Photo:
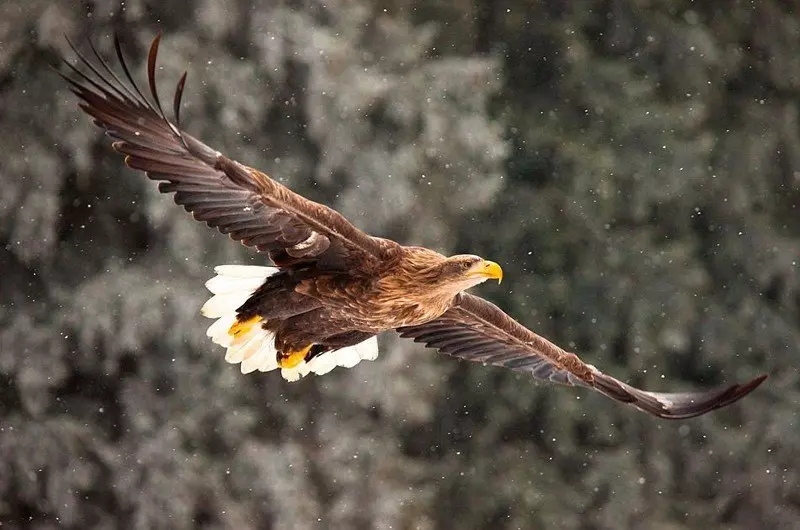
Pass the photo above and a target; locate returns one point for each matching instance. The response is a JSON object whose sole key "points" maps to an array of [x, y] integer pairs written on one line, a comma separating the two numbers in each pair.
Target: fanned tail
{"points": [[248, 343], [253, 346]]}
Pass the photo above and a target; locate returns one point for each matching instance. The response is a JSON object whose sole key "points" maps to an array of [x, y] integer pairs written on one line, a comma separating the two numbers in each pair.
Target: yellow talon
{"points": [[293, 358], [243, 326]]}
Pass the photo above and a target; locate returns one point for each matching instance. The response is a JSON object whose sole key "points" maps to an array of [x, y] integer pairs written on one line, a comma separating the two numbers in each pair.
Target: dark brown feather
{"points": [[477, 330], [237, 200]]}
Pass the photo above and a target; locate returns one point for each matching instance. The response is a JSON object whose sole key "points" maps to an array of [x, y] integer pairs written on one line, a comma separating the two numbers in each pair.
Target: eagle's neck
{"points": [[416, 287]]}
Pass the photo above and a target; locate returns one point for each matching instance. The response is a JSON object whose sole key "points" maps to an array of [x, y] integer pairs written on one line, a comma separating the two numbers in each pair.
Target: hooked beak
{"points": [[489, 270]]}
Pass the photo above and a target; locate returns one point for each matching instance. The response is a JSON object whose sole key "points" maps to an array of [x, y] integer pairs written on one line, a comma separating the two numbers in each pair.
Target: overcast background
{"points": [[635, 168]]}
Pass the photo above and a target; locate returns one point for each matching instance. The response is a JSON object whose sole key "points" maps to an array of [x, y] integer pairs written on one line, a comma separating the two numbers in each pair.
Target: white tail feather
{"points": [[220, 305], [232, 286], [245, 345], [226, 285], [270, 360], [245, 271], [264, 355], [255, 347], [218, 331]]}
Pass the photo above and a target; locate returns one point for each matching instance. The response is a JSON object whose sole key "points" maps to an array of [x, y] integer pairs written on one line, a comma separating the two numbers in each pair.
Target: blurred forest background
{"points": [[635, 167]]}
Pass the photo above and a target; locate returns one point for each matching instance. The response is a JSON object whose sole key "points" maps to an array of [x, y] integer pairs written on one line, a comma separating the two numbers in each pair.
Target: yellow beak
{"points": [[489, 269]]}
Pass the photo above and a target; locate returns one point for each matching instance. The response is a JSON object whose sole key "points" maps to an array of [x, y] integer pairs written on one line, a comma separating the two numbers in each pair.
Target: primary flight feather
{"points": [[333, 287]]}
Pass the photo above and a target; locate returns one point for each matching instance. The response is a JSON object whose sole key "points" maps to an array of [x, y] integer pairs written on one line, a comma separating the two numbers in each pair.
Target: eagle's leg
{"points": [[243, 326], [291, 359]]}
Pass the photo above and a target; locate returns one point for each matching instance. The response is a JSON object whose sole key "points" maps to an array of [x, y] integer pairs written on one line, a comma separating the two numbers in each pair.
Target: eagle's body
{"points": [[333, 287], [335, 310]]}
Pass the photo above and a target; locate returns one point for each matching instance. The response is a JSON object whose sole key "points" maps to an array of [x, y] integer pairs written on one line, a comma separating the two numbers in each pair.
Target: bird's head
{"points": [[465, 270]]}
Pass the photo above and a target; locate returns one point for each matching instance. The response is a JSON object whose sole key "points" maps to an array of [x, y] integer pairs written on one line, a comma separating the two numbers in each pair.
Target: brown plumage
{"points": [[335, 287]]}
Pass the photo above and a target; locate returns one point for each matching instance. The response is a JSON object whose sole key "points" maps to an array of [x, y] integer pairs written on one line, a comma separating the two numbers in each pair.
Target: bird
{"points": [[330, 288]]}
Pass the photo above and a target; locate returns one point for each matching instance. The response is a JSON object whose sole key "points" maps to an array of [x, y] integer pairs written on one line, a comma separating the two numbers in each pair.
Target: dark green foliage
{"points": [[634, 167]]}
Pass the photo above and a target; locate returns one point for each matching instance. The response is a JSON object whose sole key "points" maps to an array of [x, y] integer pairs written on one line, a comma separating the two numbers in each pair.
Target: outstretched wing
{"points": [[236, 199], [477, 330]]}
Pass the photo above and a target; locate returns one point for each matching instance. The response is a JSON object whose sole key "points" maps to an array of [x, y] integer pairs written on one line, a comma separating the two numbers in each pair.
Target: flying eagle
{"points": [[333, 287]]}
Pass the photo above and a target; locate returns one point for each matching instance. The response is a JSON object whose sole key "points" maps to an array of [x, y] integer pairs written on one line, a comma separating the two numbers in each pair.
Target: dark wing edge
{"points": [[477, 330], [237, 200]]}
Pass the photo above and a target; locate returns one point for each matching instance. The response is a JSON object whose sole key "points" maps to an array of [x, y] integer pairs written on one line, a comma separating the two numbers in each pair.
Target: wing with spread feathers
{"points": [[477, 330], [236, 199]]}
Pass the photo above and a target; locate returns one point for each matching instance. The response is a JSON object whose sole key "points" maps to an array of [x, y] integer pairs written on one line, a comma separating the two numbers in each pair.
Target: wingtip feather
{"points": [[675, 406]]}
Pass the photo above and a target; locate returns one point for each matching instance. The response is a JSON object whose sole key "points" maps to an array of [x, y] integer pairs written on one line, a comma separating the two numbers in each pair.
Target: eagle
{"points": [[331, 288]]}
